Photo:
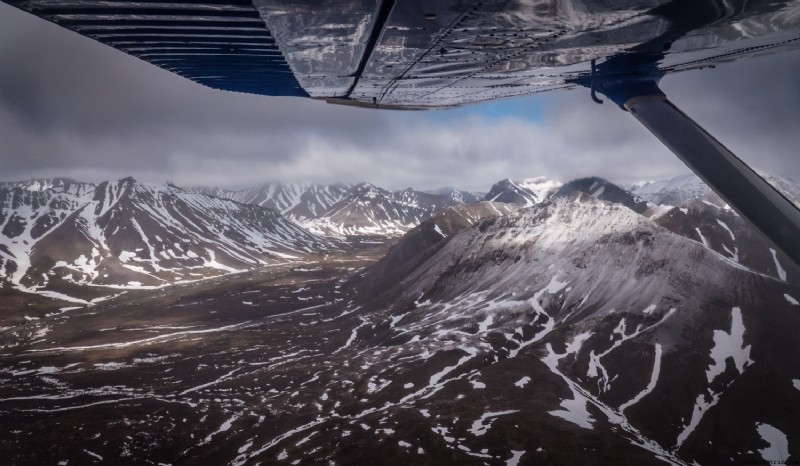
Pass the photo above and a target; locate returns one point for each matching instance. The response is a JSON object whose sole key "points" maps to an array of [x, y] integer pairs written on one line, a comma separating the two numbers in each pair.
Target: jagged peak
{"points": [[127, 180], [526, 182], [602, 189], [42, 184], [588, 179], [368, 189], [527, 192], [504, 182]]}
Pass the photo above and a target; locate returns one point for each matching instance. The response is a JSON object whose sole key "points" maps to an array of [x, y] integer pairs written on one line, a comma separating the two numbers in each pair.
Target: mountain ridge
{"points": [[34, 209], [126, 234]]}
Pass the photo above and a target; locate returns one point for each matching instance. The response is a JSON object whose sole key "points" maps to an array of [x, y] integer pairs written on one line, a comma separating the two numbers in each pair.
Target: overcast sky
{"points": [[72, 107]]}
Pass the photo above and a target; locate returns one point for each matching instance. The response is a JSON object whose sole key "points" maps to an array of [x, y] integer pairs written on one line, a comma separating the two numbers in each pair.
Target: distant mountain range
{"points": [[349, 210], [676, 191], [69, 239], [298, 201], [62, 238]]}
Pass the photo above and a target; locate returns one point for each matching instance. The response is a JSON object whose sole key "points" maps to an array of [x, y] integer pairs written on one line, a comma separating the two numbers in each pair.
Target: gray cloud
{"points": [[72, 107]]}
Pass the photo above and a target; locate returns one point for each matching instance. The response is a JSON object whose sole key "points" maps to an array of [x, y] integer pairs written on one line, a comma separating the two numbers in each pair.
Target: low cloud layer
{"points": [[72, 107]]}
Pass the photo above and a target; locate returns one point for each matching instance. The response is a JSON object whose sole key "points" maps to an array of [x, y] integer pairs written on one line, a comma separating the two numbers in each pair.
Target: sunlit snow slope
{"points": [[57, 239]]}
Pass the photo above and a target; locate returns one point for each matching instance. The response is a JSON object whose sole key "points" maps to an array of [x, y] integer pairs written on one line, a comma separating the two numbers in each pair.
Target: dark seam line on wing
{"points": [[380, 23]]}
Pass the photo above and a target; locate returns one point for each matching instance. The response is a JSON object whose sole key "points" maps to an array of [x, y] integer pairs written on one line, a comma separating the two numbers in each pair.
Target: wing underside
{"points": [[414, 53], [223, 44]]}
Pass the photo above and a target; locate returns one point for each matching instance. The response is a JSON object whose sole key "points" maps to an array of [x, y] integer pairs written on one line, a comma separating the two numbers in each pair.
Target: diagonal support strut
{"points": [[769, 211]]}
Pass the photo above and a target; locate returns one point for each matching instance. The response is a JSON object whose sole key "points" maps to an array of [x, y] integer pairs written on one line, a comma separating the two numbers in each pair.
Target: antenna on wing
{"points": [[591, 87]]}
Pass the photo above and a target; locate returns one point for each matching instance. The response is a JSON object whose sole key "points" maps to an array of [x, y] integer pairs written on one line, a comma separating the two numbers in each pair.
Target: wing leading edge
{"points": [[415, 53]]}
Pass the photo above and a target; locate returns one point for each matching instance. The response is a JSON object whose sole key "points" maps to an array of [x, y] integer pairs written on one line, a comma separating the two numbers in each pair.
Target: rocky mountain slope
{"points": [[69, 240], [425, 239], [680, 189], [373, 211], [299, 201], [458, 195], [688, 207], [653, 338], [349, 210], [524, 193]]}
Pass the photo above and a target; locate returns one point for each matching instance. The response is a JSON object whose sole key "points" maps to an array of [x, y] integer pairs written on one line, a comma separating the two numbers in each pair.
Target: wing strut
{"points": [[739, 185]]}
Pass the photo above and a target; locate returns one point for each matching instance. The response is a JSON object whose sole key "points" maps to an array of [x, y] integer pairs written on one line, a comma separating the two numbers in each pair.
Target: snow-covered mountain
{"points": [[348, 210], [66, 186], [72, 240], [423, 240], [525, 193], [711, 224], [582, 319], [788, 187], [297, 201], [458, 195], [605, 191], [62, 238], [686, 206], [674, 191], [721, 230], [680, 189], [367, 210], [373, 211]]}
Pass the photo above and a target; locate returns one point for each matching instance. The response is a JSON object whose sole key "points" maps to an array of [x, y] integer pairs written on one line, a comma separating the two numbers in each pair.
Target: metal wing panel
{"points": [[223, 44], [422, 53], [491, 49], [444, 53], [323, 41]]}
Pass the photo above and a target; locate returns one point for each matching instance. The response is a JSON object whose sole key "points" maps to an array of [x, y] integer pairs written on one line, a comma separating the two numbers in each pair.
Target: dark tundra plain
{"points": [[542, 323]]}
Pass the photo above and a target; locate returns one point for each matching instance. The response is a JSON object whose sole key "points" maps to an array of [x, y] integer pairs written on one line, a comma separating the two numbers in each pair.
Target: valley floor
{"points": [[167, 376], [266, 367]]}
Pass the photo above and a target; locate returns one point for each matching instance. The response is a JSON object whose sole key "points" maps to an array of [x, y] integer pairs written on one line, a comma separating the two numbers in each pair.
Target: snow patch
{"points": [[482, 425], [477, 384], [223, 428], [125, 256], [729, 345], [574, 409], [702, 238], [726, 345], [725, 226], [93, 454], [516, 455], [778, 450], [374, 386], [781, 272], [650, 385]]}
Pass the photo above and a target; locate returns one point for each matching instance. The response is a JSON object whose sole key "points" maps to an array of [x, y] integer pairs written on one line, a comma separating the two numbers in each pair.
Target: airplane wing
{"points": [[415, 53]]}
